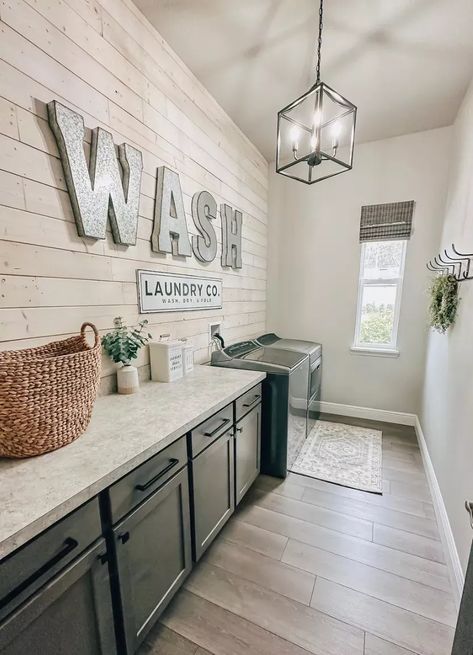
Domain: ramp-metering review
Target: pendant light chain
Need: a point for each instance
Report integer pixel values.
(316, 132)
(319, 42)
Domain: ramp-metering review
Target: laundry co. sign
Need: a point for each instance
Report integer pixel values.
(102, 191)
(165, 292)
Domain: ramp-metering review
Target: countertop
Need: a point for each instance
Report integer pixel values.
(124, 432)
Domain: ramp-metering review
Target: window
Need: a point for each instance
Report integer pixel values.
(379, 294)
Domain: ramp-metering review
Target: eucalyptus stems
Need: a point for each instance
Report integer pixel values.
(443, 302)
(122, 345)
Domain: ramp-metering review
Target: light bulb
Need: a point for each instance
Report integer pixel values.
(313, 141)
(317, 119)
(336, 130)
(294, 134)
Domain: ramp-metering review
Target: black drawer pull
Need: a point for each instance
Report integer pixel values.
(172, 463)
(253, 402)
(68, 547)
(219, 427)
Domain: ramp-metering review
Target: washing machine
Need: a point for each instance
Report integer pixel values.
(284, 403)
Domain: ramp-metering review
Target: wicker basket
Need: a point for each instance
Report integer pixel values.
(47, 394)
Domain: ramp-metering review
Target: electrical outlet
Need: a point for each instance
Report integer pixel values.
(214, 328)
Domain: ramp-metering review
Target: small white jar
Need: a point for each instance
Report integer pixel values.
(127, 379)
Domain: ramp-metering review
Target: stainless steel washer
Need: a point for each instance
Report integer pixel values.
(284, 407)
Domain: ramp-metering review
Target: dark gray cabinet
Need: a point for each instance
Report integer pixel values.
(134, 488)
(112, 567)
(207, 432)
(247, 451)
(153, 546)
(248, 401)
(213, 483)
(71, 614)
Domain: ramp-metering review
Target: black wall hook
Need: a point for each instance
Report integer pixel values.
(458, 264)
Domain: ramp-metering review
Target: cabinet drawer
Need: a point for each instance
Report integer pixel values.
(249, 400)
(136, 486)
(25, 570)
(211, 429)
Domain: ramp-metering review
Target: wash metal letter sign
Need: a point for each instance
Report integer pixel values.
(102, 191)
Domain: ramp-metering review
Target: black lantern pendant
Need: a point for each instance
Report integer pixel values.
(316, 132)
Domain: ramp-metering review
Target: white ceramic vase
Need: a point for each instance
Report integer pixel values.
(127, 379)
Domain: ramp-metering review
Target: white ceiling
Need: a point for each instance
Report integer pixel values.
(405, 63)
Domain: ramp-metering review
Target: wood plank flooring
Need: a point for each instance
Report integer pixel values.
(305, 566)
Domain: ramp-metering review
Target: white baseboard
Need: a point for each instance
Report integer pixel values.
(453, 561)
(368, 413)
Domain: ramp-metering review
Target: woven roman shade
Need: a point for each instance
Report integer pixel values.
(392, 220)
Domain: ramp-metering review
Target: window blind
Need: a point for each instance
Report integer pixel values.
(392, 220)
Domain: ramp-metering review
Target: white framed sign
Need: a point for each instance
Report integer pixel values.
(171, 292)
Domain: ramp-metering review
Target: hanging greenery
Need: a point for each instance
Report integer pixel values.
(443, 302)
(122, 345)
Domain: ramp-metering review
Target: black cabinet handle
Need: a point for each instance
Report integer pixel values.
(253, 402)
(172, 463)
(219, 427)
(68, 547)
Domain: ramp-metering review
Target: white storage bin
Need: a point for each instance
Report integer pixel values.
(166, 360)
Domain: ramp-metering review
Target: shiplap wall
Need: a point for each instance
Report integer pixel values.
(103, 59)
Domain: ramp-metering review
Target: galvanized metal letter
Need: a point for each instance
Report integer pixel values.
(204, 209)
(231, 236)
(100, 192)
(169, 216)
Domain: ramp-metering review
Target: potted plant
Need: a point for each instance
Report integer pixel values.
(122, 346)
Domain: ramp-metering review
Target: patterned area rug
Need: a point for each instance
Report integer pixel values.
(343, 454)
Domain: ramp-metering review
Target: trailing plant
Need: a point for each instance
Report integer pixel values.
(123, 343)
(443, 302)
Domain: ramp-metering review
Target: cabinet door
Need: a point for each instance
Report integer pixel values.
(154, 556)
(247, 451)
(214, 491)
(71, 614)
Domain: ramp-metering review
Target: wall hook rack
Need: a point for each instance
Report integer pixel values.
(458, 264)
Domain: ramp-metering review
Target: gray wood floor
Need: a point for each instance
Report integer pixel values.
(305, 566)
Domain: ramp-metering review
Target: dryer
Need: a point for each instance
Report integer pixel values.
(314, 351)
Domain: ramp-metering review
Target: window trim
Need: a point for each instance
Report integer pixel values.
(379, 348)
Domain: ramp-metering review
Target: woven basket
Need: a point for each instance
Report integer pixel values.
(47, 394)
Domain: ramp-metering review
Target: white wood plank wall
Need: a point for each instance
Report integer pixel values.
(103, 59)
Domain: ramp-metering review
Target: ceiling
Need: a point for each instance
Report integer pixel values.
(406, 64)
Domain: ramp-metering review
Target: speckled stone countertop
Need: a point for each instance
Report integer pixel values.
(124, 432)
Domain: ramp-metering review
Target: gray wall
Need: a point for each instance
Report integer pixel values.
(314, 264)
(447, 407)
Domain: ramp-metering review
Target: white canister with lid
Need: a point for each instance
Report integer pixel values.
(187, 356)
(166, 359)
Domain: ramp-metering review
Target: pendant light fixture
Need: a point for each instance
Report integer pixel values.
(316, 132)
